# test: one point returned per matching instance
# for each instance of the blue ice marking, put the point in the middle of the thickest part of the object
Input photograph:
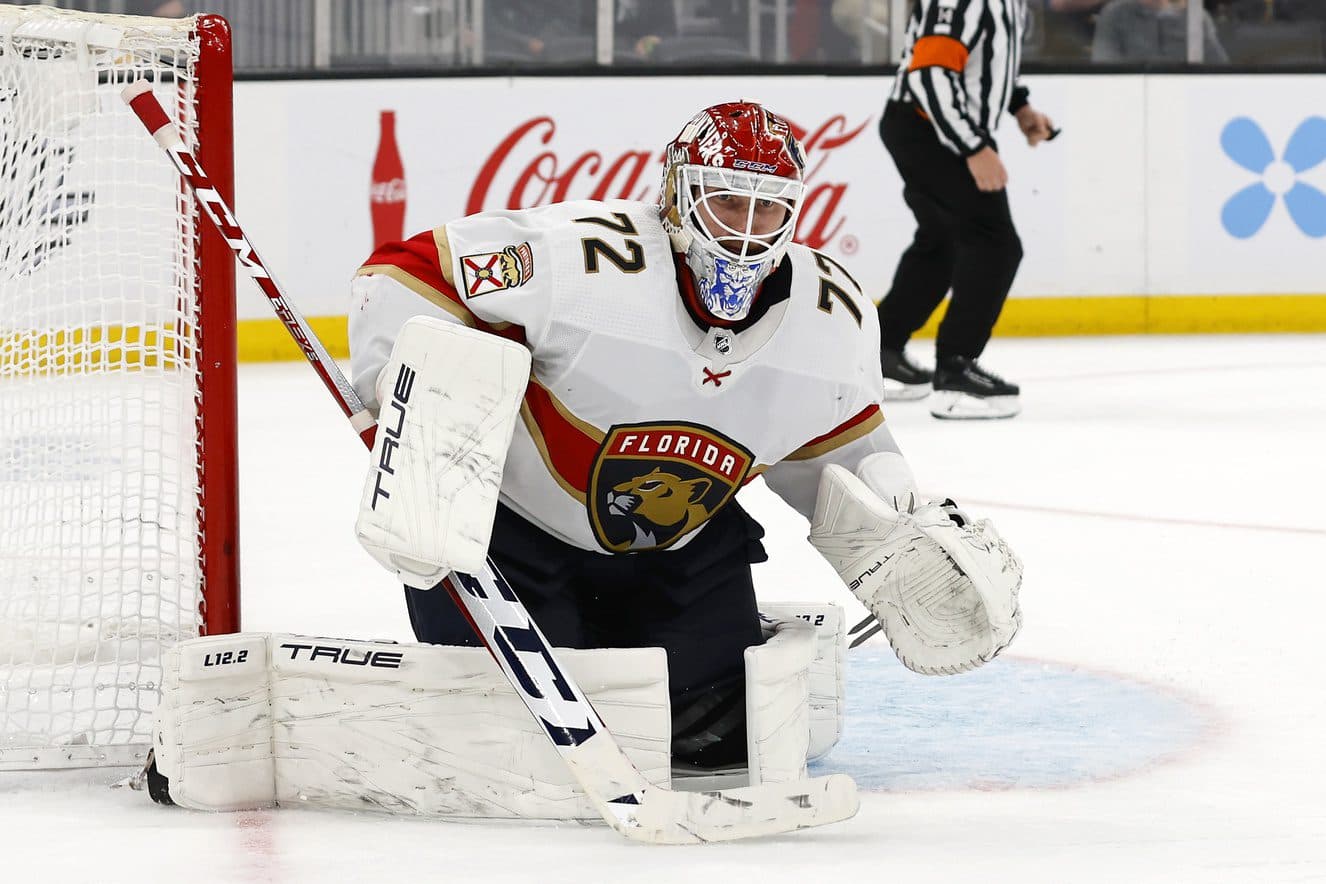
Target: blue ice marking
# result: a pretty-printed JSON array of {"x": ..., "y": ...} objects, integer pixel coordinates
[{"x": 1010, "y": 724}]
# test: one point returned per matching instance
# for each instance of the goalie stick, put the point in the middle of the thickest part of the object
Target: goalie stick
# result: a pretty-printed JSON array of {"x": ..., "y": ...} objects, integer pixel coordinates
[{"x": 627, "y": 801}]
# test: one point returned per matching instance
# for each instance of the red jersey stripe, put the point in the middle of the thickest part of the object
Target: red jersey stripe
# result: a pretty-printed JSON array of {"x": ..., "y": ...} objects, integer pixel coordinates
[{"x": 566, "y": 443}]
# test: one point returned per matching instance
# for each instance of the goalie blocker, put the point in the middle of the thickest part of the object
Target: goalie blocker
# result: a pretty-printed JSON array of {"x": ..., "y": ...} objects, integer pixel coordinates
[
  {"x": 261, "y": 720},
  {"x": 449, "y": 399}
]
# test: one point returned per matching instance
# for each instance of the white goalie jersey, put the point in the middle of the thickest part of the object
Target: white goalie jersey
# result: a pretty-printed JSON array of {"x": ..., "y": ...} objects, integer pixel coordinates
[{"x": 640, "y": 421}]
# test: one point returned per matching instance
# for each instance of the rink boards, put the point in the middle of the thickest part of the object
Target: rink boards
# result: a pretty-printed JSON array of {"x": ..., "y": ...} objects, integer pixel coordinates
[{"x": 1148, "y": 214}]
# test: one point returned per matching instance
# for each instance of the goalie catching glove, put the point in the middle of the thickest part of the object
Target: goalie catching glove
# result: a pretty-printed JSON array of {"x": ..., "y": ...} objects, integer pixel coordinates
[{"x": 944, "y": 588}]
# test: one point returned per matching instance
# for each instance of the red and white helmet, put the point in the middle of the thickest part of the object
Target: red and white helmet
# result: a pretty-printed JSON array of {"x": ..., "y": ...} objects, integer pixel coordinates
[{"x": 732, "y": 154}]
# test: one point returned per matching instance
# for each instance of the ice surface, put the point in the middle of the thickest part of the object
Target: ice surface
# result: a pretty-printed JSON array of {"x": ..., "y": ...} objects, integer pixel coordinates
[{"x": 1159, "y": 719}]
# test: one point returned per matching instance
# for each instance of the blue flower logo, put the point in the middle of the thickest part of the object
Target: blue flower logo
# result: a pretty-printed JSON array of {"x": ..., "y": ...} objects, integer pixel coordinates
[{"x": 1245, "y": 143}]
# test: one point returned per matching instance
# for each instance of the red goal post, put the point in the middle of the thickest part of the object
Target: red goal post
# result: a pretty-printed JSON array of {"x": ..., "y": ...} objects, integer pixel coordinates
[{"x": 118, "y": 458}]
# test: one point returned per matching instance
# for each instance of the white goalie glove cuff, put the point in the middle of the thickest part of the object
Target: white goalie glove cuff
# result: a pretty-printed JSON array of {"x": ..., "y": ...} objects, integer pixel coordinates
[{"x": 944, "y": 589}]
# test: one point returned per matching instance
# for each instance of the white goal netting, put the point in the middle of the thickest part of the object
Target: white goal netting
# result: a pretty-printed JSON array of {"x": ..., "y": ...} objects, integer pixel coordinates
[{"x": 100, "y": 502}]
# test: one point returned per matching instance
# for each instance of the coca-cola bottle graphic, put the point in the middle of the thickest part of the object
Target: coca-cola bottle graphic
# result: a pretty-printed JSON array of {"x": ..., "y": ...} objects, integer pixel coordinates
[{"x": 386, "y": 195}]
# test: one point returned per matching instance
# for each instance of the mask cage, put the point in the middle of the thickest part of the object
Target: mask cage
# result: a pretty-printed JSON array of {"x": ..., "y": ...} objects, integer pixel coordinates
[{"x": 702, "y": 188}]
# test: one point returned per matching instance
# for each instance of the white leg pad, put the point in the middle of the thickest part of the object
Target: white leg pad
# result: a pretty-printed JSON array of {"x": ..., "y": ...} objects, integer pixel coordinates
[
  {"x": 778, "y": 703},
  {"x": 260, "y": 720},
  {"x": 794, "y": 697},
  {"x": 828, "y": 669},
  {"x": 213, "y": 732}
]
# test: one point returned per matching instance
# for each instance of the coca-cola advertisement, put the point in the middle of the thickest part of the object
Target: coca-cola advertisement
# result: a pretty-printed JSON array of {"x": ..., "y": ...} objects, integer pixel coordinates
[
  {"x": 386, "y": 194},
  {"x": 527, "y": 167},
  {"x": 437, "y": 149}
]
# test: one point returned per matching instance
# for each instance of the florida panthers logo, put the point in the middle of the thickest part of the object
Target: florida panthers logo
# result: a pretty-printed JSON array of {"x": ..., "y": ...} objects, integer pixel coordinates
[
  {"x": 659, "y": 498},
  {"x": 652, "y": 484}
]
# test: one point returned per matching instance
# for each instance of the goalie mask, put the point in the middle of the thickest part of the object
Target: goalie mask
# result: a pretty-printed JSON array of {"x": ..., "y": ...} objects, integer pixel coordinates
[{"x": 731, "y": 193}]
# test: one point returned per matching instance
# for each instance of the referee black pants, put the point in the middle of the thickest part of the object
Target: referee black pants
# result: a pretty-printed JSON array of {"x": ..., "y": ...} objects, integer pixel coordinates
[{"x": 965, "y": 241}]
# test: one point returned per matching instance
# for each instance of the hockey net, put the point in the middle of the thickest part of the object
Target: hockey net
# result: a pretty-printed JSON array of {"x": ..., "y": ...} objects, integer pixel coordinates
[{"x": 117, "y": 380}]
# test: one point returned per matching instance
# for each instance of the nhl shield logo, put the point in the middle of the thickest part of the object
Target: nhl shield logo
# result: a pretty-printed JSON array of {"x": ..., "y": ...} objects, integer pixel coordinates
[{"x": 652, "y": 484}]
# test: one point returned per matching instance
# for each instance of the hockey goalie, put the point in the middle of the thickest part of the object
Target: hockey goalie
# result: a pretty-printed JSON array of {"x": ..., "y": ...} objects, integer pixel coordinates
[{"x": 578, "y": 392}]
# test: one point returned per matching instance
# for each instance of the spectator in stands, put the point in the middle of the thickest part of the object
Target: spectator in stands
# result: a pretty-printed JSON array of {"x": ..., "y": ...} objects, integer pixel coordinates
[
  {"x": 867, "y": 23},
  {"x": 682, "y": 33},
  {"x": 524, "y": 31},
  {"x": 640, "y": 26},
  {"x": 1151, "y": 30},
  {"x": 814, "y": 36},
  {"x": 1069, "y": 26},
  {"x": 1272, "y": 32},
  {"x": 1300, "y": 10},
  {"x": 1272, "y": 10},
  {"x": 729, "y": 18},
  {"x": 723, "y": 24}
]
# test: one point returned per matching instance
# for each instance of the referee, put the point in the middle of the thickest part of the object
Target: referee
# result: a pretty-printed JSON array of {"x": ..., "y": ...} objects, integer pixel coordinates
[{"x": 957, "y": 77}]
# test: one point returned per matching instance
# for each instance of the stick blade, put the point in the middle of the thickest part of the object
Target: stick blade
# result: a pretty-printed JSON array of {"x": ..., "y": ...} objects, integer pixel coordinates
[{"x": 660, "y": 816}]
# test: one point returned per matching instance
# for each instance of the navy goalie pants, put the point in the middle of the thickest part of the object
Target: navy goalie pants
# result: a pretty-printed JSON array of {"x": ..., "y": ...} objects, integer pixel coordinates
[{"x": 697, "y": 603}]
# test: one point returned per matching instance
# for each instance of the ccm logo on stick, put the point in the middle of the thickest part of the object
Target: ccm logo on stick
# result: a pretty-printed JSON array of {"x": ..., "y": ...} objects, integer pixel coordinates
[
  {"x": 391, "y": 439},
  {"x": 379, "y": 659}
]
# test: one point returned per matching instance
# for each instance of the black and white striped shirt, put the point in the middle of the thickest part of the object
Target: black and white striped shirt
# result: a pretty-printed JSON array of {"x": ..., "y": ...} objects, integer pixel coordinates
[{"x": 961, "y": 67}]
